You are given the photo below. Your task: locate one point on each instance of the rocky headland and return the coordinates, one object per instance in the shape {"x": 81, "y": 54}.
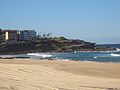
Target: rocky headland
{"x": 58, "y": 44}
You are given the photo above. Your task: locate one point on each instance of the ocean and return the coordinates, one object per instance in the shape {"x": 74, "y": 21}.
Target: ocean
{"x": 97, "y": 56}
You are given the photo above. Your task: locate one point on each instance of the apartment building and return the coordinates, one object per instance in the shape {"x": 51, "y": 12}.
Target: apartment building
{"x": 13, "y": 36}
{"x": 10, "y": 35}
{"x": 2, "y": 36}
{"x": 26, "y": 35}
{"x": 0, "y": 31}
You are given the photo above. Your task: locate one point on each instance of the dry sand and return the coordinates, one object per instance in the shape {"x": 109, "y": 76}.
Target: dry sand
{"x": 58, "y": 75}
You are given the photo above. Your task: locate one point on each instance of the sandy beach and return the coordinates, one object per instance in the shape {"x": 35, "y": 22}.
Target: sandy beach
{"x": 25, "y": 74}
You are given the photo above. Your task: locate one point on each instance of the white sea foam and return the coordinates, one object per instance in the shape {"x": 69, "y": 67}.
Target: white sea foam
{"x": 117, "y": 49}
{"x": 62, "y": 59}
{"x": 7, "y": 56}
{"x": 95, "y": 57}
{"x": 115, "y": 55}
{"x": 65, "y": 59}
{"x": 75, "y": 51}
{"x": 40, "y": 55}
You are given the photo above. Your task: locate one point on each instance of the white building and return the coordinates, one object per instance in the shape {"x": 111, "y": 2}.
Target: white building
{"x": 26, "y": 35}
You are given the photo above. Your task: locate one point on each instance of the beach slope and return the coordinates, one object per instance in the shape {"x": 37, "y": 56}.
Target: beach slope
{"x": 16, "y": 74}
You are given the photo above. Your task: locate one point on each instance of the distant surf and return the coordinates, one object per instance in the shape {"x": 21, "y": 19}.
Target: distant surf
{"x": 97, "y": 56}
{"x": 43, "y": 55}
{"x": 116, "y": 55}
{"x": 118, "y": 49}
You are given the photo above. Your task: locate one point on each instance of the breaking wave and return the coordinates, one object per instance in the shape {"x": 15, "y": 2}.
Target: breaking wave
{"x": 115, "y": 55}
{"x": 40, "y": 55}
{"x": 118, "y": 49}
{"x": 95, "y": 57}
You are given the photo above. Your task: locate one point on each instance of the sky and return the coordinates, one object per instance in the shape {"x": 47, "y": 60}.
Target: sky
{"x": 91, "y": 20}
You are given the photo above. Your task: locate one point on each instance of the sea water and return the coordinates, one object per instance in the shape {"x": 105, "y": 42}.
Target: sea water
{"x": 98, "y": 56}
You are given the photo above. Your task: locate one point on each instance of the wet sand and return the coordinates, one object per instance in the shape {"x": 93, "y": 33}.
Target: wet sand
{"x": 26, "y": 74}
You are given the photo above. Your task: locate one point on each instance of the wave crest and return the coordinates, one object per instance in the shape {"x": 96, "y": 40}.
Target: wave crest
{"x": 117, "y": 49}
{"x": 40, "y": 55}
{"x": 115, "y": 55}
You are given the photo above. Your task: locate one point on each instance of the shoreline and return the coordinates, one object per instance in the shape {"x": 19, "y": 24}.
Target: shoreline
{"x": 28, "y": 58}
{"x": 51, "y": 59}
